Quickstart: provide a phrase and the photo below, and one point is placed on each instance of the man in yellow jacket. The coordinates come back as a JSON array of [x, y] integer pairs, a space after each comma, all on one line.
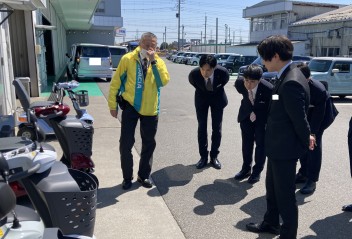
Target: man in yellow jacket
[[135, 86]]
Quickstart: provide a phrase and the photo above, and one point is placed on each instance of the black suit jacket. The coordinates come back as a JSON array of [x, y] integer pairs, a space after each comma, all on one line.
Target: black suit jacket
[[287, 131], [318, 100], [261, 101], [203, 97]]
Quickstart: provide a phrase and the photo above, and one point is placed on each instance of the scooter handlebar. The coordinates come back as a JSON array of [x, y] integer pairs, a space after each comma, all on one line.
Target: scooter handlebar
[[24, 174]]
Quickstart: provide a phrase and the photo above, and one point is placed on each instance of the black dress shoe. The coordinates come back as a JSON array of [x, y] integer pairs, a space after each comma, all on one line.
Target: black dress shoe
[[216, 163], [202, 163], [347, 208], [242, 175], [300, 178], [126, 184], [254, 178], [308, 188], [263, 227], [147, 183]]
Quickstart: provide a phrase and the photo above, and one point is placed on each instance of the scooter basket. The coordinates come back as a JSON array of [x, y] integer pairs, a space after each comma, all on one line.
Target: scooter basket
[[82, 97], [74, 212]]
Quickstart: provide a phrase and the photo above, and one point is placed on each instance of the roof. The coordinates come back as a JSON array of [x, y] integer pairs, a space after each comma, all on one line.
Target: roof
[[333, 58], [338, 15], [265, 3]]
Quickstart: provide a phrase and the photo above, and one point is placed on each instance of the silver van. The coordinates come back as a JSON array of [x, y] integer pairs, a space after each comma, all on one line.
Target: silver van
[[89, 61], [116, 53], [334, 72]]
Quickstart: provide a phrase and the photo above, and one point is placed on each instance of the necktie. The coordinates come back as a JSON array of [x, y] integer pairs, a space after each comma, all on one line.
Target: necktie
[[209, 86], [145, 66], [252, 116]]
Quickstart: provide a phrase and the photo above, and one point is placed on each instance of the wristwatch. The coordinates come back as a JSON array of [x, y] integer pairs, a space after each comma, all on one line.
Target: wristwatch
[[153, 62]]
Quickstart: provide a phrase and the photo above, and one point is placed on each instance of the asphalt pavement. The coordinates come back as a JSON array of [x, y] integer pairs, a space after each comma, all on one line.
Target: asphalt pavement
[[208, 203]]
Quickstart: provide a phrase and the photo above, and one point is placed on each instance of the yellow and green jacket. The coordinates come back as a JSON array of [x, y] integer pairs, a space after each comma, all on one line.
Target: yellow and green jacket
[[142, 94]]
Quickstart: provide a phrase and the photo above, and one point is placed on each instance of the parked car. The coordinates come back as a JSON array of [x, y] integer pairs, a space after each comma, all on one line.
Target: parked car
[[179, 58], [333, 72], [173, 57], [89, 60], [234, 62], [194, 61], [116, 53], [187, 56], [222, 57], [271, 76]]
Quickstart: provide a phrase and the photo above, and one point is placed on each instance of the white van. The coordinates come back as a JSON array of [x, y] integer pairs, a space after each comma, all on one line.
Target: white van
[[89, 61], [335, 72], [116, 53]]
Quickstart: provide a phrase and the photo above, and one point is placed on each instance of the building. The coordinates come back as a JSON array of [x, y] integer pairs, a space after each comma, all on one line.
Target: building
[[274, 17], [328, 34], [36, 34]]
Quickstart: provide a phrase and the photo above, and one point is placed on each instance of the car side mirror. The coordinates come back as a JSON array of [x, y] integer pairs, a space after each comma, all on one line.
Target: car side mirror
[[333, 71]]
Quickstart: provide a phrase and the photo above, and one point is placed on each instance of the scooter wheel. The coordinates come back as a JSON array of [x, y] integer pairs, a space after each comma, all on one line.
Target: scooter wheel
[[95, 178], [27, 132]]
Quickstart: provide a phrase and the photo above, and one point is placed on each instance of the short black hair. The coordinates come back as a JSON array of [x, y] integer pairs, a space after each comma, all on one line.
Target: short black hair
[[304, 68], [253, 72], [279, 44], [208, 59]]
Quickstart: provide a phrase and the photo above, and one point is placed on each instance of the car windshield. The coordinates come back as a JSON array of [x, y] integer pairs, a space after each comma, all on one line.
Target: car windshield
[[117, 51], [320, 65], [89, 51]]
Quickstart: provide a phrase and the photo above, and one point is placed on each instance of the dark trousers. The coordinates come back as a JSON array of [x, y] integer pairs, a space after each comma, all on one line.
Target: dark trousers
[[280, 196], [252, 132], [148, 128], [311, 160], [216, 122]]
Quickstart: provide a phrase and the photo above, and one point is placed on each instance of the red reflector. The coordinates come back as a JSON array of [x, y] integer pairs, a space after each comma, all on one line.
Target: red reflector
[[81, 161]]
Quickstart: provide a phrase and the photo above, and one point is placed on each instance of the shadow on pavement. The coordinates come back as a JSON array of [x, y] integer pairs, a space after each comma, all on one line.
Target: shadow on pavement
[[337, 226], [221, 192], [108, 196], [173, 176]]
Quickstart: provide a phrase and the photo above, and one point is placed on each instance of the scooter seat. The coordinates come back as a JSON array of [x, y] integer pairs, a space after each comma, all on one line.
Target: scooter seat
[[12, 143], [41, 104]]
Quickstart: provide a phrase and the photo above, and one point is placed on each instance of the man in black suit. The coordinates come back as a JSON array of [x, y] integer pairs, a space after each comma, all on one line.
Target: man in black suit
[[348, 208], [252, 117], [209, 80], [311, 160], [287, 137]]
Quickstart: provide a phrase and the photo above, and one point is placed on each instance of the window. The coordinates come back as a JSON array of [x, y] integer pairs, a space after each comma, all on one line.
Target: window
[[101, 7], [283, 21], [344, 67], [330, 51]]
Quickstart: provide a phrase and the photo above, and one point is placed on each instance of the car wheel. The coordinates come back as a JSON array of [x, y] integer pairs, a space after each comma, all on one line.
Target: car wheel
[[108, 79], [194, 63], [27, 132], [230, 71]]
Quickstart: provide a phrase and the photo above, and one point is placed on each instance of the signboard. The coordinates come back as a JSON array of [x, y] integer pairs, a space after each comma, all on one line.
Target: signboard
[[120, 32]]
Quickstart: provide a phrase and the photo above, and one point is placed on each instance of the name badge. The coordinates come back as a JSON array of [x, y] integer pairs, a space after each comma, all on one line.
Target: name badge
[[275, 97]]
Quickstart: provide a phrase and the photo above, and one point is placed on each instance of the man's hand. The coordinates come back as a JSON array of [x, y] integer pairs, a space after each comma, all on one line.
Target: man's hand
[[312, 142], [113, 113], [151, 54]]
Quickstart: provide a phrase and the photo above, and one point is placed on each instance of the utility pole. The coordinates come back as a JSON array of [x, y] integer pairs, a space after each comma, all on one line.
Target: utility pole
[[225, 34], [178, 28], [165, 34], [229, 36], [205, 31], [216, 37], [201, 37], [183, 36]]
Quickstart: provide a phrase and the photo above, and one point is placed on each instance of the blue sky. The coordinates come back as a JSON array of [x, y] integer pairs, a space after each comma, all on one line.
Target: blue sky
[[154, 15]]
